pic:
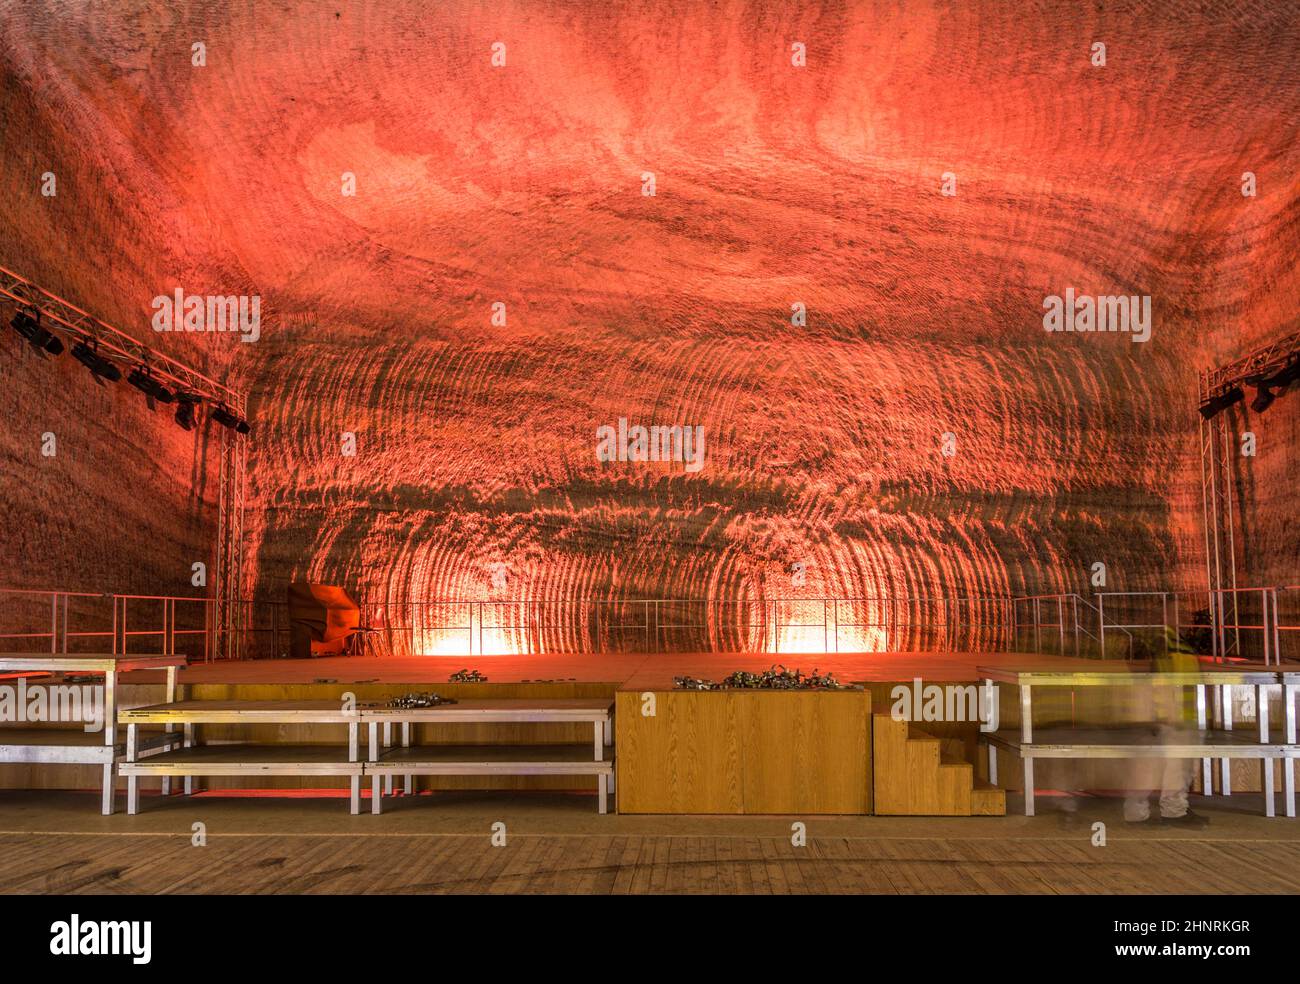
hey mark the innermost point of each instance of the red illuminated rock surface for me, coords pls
(775, 184)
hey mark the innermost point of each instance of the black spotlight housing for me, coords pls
(38, 337)
(100, 368)
(228, 418)
(1263, 398)
(1221, 401)
(140, 378)
(1289, 374)
(185, 406)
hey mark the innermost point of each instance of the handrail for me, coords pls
(826, 624)
(1076, 626)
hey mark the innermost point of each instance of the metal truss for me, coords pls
(63, 317)
(1217, 452)
(1216, 444)
(1263, 362)
(230, 607)
(1220, 541)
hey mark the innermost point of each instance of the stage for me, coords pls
(624, 671)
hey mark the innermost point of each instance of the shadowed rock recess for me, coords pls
(775, 185)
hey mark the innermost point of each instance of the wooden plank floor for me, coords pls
(559, 848)
(636, 864)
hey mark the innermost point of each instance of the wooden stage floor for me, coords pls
(631, 670)
(55, 843)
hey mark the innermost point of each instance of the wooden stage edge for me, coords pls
(626, 671)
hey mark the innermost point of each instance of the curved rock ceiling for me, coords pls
(775, 185)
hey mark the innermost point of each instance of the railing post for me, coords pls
(1101, 623)
(1178, 632)
(1263, 621)
(1164, 618)
(1277, 640)
(888, 620)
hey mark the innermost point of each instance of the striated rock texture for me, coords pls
(775, 185)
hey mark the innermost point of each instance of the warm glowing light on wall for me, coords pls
(825, 627)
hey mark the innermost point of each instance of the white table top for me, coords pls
(86, 662)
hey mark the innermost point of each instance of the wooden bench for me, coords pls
(386, 761)
(62, 746)
(242, 759)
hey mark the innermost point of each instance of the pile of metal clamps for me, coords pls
(775, 678)
(467, 676)
(414, 701)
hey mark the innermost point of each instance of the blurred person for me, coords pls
(1166, 713)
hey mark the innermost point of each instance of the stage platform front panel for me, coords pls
(788, 752)
(647, 671)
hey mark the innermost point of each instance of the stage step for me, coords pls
(987, 801)
(913, 776)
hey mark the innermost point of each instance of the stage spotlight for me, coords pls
(227, 418)
(1222, 401)
(150, 387)
(185, 404)
(1289, 374)
(37, 337)
(1263, 398)
(99, 367)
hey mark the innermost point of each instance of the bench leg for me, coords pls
(1225, 765)
(356, 795)
(388, 743)
(603, 806)
(376, 798)
(408, 779)
(110, 779)
(132, 795)
(1270, 808)
(1029, 787)
(993, 764)
(1288, 785)
(189, 742)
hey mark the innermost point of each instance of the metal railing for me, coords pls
(83, 621)
(1073, 628)
(798, 625)
(1114, 624)
(1226, 615)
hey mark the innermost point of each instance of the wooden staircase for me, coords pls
(913, 777)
